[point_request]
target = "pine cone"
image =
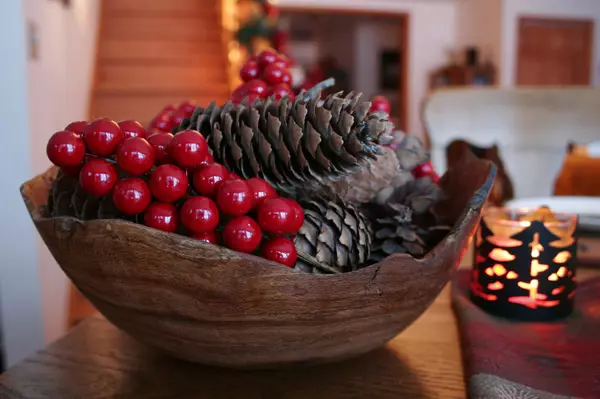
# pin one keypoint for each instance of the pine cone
(398, 234)
(363, 186)
(67, 198)
(411, 152)
(335, 236)
(293, 145)
(418, 195)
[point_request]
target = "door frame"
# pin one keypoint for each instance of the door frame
(587, 22)
(403, 46)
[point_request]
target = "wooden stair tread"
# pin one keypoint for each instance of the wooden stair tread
(159, 50)
(159, 5)
(160, 28)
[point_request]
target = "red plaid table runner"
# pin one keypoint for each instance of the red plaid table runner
(516, 360)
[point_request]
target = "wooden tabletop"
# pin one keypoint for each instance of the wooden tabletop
(96, 360)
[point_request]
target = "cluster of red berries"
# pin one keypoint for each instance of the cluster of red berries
(171, 116)
(264, 75)
(173, 181)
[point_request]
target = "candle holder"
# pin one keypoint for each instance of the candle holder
(524, 263)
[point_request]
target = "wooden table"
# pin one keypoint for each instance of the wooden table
(96, 360)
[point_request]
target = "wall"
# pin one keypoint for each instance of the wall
(20, 303)
(479, 24)
(432, 33)
(59, 86)
(513, 9)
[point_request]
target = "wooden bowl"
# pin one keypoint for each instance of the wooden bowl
(211, 305)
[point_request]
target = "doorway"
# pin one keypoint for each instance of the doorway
(554, 52)
(369, 51)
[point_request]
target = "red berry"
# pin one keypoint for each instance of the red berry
(234, 197)
(135, 156)
(281, 250)
(267, 57)
(274, 75)
(242, 234)
(425, 170)
(380, 104)
(209, 160)
(168, 183)
(298, 216)
(249, 71)
(77, 127)
(207, 180)
(261, 190)
(188, 148)
(131, 196)
(160, 141)
(210, 237)
(132, 128)
(280, 91)
(102, 137)
(178, 116)
(233, 176)
(71, 170)
(162, 216)
(163, 122)
(276, 216)
(187, 107)
(257, 87)
(168, 108)
(97, 177)
(200, 214)
(239, 94)
(65, 148)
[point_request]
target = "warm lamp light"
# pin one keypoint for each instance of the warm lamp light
(524, 263)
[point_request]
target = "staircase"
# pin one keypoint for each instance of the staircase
(153, 53)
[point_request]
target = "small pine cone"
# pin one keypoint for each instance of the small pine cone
(411, 152)
(397, 234)
(419, 195)
(363, 186)
(67, 198)
(293, 145)
(335, 236)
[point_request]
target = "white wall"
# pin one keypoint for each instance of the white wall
(20, 305)
(513, 9)
(432, 33)
(59, 86)
(479, 24)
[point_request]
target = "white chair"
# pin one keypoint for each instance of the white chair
(532, 128)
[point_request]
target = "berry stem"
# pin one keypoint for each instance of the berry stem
(319, 87)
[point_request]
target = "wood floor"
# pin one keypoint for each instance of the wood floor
(152, 53)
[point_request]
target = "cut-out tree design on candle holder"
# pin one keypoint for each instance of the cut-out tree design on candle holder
(524, 270)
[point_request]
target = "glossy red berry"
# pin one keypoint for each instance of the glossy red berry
(242, 234)
(168, 108)
(276, 216)
(65, 148)
(131, 196)
(380, 104)
(178, 116)
(188, 148)
(210, 237)
(102, 137)
(426, 170)
(132, 128)
(199, 214)
(162, 216)
(135, 156)
(261, 190)
(233, 176)
(281, 250)
(209, 160)
(207, 180)
(168, 183)
(274, 75)
(187, 107)
(250, 70)
(267, 57)
(234, 197)
(280, 91)
(97, 177)
(298, 216)
(163, 121)
(77, 127)
(257, 87)
(160, 142)
(239, 94)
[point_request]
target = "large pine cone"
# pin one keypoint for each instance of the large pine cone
(398, 234)
(293, 145)
(363, 186)
(336, 237)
